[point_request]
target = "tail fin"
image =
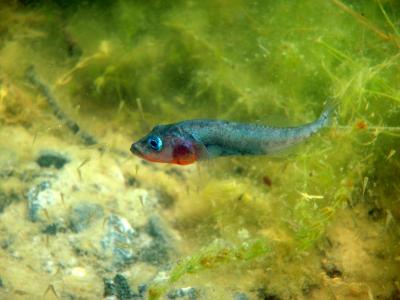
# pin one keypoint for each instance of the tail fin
(326, 116)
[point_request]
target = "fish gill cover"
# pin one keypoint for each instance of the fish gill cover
(321, 222)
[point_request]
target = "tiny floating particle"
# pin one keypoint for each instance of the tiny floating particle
(391, 153)
(267, 181)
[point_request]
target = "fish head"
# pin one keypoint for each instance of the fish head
(167, 144)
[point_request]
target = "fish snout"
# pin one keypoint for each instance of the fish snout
(135, 149)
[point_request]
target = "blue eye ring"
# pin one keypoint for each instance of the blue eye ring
(154, 142)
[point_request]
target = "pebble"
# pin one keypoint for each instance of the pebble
(53, 229)
(122, 287)
(189, 293)
(263, 294)
(40, 197)
(331, 269)
(118, 288)
(240, 296)
(78, 272)
(49, 159)
(157, 252)
(119, 240)
(165, 199)
(49, 266)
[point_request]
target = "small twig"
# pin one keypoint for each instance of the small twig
(363, 20)
(87, 138)
(51, 289)
(388, 19)
(370, 128)
(78, 169)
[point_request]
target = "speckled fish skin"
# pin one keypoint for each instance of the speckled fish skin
(189, 141)
(223, 138)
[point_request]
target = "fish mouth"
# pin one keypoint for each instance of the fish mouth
(135, 149)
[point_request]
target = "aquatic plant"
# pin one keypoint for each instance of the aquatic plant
(137, 64)
(210, 257)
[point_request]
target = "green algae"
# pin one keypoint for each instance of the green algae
(132, 65)
(210, 257)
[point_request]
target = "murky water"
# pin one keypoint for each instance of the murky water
(83, 218)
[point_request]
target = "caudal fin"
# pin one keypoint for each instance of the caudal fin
(326, 116)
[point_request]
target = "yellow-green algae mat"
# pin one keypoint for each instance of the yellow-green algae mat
(321, 222)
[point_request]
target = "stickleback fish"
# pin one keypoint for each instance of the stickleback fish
(189, 141)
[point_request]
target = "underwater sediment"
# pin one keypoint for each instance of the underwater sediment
(82, 218)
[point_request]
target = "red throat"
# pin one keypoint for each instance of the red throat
(184, 155)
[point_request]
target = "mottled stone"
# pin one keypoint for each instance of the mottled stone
(240, 296)
(53, 229)
(49, 159)
(263, 294)
(40, 197)
(142, 289)
(119, 240)
(331, 269)
(132, 181)
(83, 214)
(122, 287)
(109, 288)
(119, 287)
(189, 293)
(158, 251)
(165, 200)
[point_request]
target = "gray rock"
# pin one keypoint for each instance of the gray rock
(165, 200)
(83, 214)
(263, 294)
(53, 229)
(240, 296)
(331, 269)
(157, 252)
(119, 287)
(40, 197)
(109, 288)
(120, 241)
(155, 228)
(49, 159)
(189, 293)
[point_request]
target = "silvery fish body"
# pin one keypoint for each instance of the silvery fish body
(193, 140)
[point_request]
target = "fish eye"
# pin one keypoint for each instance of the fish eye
(155, 143)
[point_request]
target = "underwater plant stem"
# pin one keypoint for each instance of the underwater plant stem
(212, 257)
(87, 138)
(370, 128)
(361, 19)
(335, 51)
(388, 19)
(383, 95)
(364, 21)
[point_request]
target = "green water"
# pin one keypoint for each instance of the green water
(80, 221)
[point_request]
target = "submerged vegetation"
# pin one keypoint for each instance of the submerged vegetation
(282, 225)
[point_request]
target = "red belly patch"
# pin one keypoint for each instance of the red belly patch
(184, 154)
